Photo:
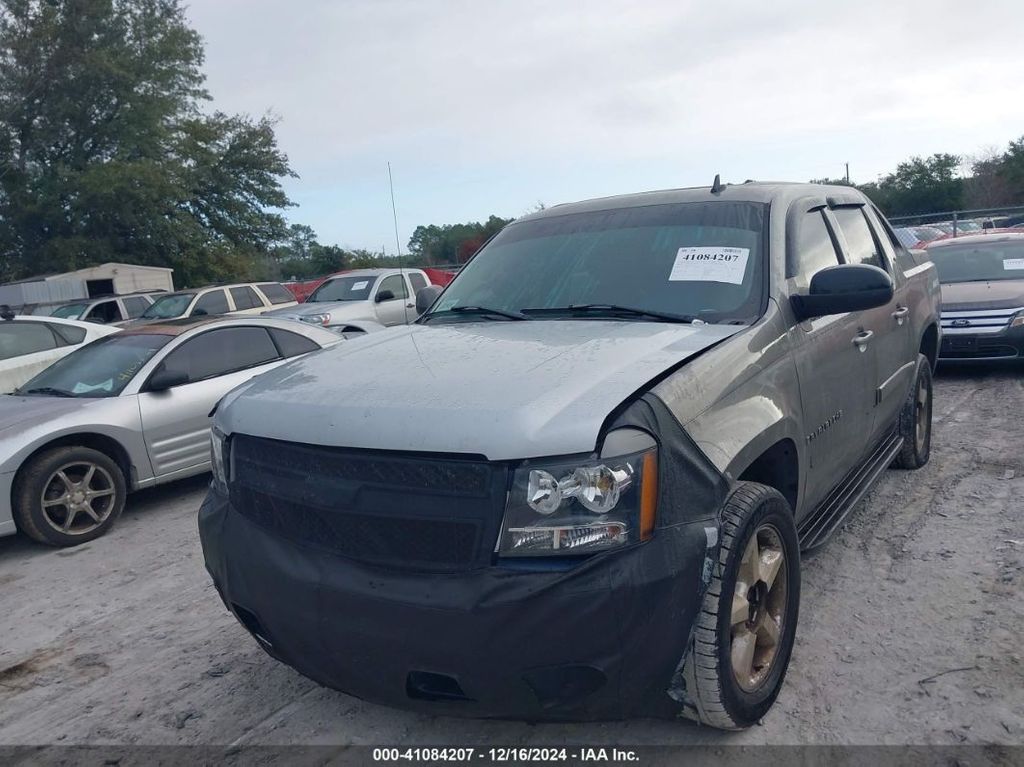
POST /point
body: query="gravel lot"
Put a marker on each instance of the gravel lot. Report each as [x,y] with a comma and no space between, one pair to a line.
[911,625]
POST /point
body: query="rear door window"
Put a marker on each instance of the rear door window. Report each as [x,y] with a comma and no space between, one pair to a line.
[861,247]
[245,298]
[219,352]
[135,306]
[292,344]
[417,281]
[214,302]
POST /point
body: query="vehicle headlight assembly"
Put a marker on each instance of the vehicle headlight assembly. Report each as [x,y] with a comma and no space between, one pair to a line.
[1018,320]
[221,459]
[317,319]
[560,508]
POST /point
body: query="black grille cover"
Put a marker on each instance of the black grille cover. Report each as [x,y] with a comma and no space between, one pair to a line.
[393,509]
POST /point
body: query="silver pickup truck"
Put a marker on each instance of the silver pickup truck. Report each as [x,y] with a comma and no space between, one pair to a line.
[579,485]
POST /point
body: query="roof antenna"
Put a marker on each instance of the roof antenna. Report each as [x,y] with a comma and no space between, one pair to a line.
[398,245]
[716,188]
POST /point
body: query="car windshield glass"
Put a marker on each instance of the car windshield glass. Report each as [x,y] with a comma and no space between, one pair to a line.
[100,369]
[168,307]
[69,311]
[701,260]
[352,288]
[979,262]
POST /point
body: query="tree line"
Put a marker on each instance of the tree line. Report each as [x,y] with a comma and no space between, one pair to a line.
[947,182]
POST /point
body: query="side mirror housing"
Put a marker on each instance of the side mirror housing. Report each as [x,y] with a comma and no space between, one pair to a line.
[844,288]
[425,297]
[164,379]
[384,295]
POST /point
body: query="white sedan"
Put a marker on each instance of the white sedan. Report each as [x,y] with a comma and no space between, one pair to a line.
[28,345]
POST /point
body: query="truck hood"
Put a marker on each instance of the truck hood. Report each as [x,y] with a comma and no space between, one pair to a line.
[994,294]
[504,390]
[339,310]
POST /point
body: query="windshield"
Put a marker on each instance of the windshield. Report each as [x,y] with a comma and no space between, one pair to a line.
[168,307]
[352,288]
[979,262]
[698,259]
[100,369]
[69,311]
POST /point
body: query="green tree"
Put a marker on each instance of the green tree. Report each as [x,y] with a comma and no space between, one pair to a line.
[452,243]
[921,185]
[104,154]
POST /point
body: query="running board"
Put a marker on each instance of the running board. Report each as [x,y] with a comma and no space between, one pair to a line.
[819,525]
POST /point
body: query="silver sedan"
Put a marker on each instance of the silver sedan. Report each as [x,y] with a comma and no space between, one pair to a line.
[125,412]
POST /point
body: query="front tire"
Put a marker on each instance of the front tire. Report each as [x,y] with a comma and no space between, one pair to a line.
[915,423]
[68,495]
[747,624]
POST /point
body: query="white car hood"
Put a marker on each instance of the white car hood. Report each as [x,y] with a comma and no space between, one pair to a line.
[504,390]
[339,310]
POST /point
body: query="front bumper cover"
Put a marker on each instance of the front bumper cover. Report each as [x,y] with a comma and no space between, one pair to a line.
[1007,344]
[600,640]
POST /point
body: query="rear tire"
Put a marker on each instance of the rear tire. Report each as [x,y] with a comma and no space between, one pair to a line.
[68,495]
[915,424]
[747,624]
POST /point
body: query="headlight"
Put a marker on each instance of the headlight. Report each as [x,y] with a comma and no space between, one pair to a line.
[579,507]
[1018,320]
[220,459]
[317,319]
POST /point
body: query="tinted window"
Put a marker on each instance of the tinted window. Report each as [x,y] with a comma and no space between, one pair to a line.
[68,335]
[814,248]
[104,312]
[703,259]
[395,284]
[292,344]
[860,245]
[100,369]
[418,283]
[218,352]
[135,306]
[245,298]
[275,293]
[214,302]
[18,338]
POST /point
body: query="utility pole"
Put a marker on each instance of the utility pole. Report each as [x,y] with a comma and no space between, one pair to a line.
[847,173]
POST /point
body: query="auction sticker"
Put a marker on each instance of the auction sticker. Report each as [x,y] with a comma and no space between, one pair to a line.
[359,285]
[710,265]
[1013,263]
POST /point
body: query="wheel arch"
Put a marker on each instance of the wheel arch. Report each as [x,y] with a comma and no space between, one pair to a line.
[100,442]
[930,344]
[777,466]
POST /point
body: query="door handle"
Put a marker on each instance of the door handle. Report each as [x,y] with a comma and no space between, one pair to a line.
[861,339]
[410,306]
[901,314]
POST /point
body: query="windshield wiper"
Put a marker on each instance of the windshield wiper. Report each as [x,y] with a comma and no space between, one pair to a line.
[46,390]
[614,310]
[482,311]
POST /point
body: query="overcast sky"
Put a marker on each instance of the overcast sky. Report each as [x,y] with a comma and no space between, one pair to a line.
[489,106]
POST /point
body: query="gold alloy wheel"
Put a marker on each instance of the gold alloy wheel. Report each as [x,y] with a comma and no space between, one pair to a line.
[758,608]
[78,497]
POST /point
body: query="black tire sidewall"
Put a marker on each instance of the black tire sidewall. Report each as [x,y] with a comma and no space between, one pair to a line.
[34,476]
[747,708]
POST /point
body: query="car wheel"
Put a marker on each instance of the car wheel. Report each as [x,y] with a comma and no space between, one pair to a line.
[68,495]
[747,624]
[915,424]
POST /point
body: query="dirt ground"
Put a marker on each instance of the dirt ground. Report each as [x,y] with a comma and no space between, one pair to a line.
[911,625]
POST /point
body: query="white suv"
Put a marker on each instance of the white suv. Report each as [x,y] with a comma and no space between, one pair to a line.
[243,298]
